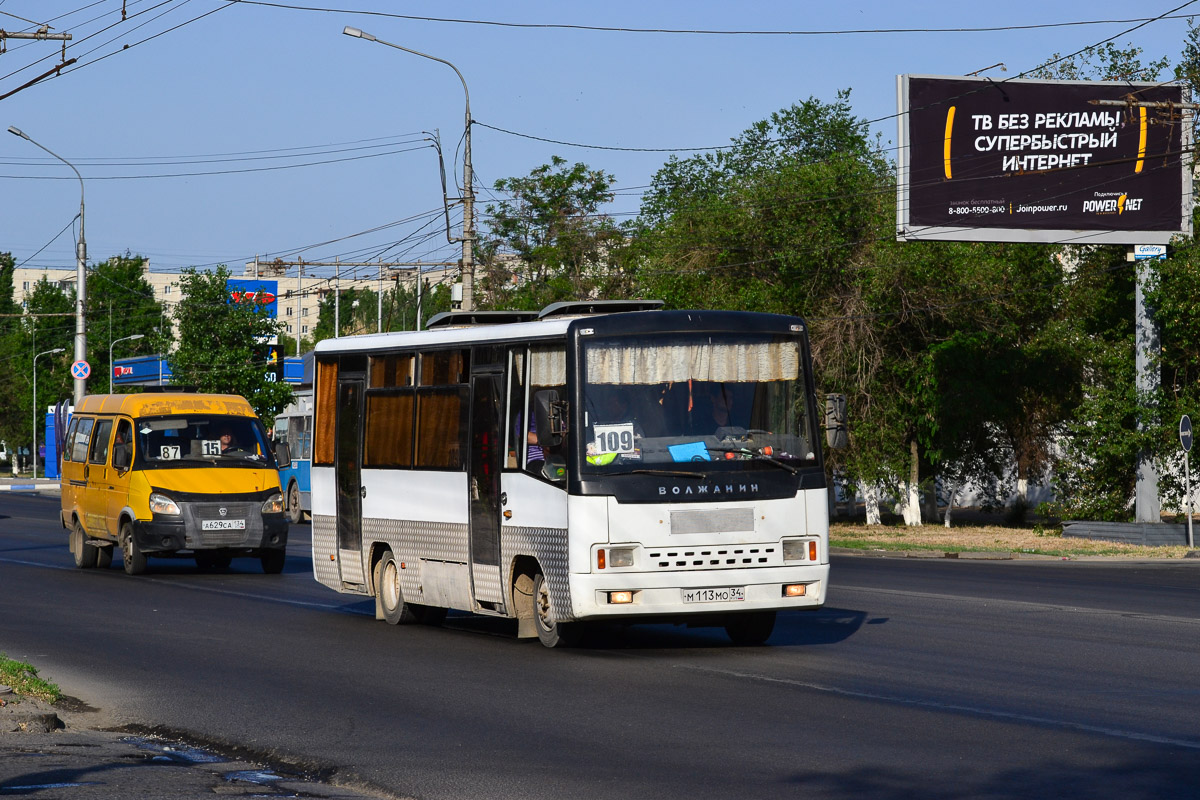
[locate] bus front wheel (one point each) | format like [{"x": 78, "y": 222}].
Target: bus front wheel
[
  {"x": 551, "y": 632},
  {"x": 391, "y": 596},
  {"x": 750, "y": 629},
  {"x": 294, "y": 512}
]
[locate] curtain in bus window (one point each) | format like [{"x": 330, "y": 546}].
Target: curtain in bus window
[
  {"x": 326, "y": 398},
  {"x": 547, "y": 367},
  {"x": 391, "y": 370},
  {"x": 389, "y": 430},
  {"x": 444, "y": 367},
  {"x": 441, "y": 427},
  {"x": 764, "y": 361}
]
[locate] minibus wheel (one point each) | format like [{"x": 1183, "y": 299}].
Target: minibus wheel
[
  {"x": 272, "y": 561},
  {"x": 750, "y": 629},
  {"x": 391, "y": 596},
  {"x": 85, "y": 555},
  {"x": 551, "y": 632},
  {"x": 135, "y": 559}
]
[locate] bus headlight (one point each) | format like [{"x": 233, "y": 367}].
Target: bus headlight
[
  {"x": 161, "y": 504},
  {"x": 799, "y": 550},
  {"x": 621, "y": 557},
  {"x": 273, "y": 504}
]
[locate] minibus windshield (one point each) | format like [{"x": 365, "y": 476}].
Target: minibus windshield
[{"x": 193, "y": 440}]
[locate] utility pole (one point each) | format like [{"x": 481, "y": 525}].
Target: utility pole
[
  {"x": 41, "y": 34},
  {"x": 468, "y": 198}
]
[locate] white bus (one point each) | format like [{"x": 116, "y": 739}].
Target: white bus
[{"x": 588, "y": 463}]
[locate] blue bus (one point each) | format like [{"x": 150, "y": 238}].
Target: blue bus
[{"x": 293, "y": 427}]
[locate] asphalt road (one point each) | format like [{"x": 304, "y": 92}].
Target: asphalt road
[{"x": 935, "y": 679}]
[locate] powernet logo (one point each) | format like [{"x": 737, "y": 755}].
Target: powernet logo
[{"x": 1112, "y": 203}]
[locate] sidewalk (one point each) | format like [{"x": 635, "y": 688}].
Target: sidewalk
[{"x": 47, "y": 752}]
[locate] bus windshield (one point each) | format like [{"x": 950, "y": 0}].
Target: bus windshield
[
  {"x": 197, "y": 439},
  {"x": 703, "y": 402}
]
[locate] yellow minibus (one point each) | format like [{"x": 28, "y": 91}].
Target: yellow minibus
[{"x": 171, "y": 475}]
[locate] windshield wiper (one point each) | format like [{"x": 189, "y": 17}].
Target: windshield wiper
[
  {"x": 669, "y": 472},
  {"x": 741, "y": 451}
]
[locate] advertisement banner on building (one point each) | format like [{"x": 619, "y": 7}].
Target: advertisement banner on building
[
  {"x": 264, "y": 292},
  {"x": 1076, "y": 162}
]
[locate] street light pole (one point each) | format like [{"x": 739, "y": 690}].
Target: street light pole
[
  {"x": 468, "y": 237},
  {"x": 80, "y": 272},
  {"x": 110, "y": 352},
  {"x": 35, "y": 405}
]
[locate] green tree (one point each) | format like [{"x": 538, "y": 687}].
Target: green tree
[
  {"x": 221, "y": 345},
  {"x": 548, "y": 240},
  {"x": 120, "y": 303},
  {"x": 48, "y": 323}
]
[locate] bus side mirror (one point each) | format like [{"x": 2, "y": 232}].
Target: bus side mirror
[
  {"x": 120, "y": 457},
  {"x": 555, "y": 469},
  {"x": 283, "y": 458},
  {"x": 550, "y": 417},
  {"x": 836, "y": 433}
]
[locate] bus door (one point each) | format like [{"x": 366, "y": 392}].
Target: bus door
[
  {"x": 483, "y": 482},
  {"x": 348, "y": 475}
]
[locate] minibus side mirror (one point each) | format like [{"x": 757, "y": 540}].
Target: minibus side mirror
[{"x": 120, "y": 457}]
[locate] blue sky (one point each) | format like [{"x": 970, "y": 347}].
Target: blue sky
[{"x": 255, "y": 86}]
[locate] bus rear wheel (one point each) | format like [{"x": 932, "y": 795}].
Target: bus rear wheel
[
  {"x": 551, "y": 632},
  {"x": 750, "y": 629},
  {"x": 294, "y": 512},
  {"x": 85, "y": 554},
  {"x": 391, "y": 596}
]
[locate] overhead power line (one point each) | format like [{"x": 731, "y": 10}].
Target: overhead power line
[{"x": 696, "y": 31}]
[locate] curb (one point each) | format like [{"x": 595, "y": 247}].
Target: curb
[
  {"x": 30, "y": 487},
  {"x": 973, "y": 555}
]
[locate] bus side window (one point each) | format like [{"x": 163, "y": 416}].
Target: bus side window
[
  {"x": 83, "y": 435},
  {"x": 122, "y": 449},
  {"x": 69, "y": 440},
  {"x": 99, "y": 449}
]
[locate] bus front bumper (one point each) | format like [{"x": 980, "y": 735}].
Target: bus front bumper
[{"x": 615, "y": 595}]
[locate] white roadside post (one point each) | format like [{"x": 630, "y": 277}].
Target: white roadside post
[{"x": 1185, "y": 439}]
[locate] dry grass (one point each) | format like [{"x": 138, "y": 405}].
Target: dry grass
[{"x": 988, "y": 538}]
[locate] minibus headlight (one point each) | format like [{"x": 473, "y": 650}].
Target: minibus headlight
[
  {"x": 161, "y": 504},
  {"x": 273, "y": 504}
]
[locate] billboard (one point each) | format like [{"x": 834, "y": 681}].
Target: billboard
[
  {"x": 1076, "y": 162},
  {"x": 263, "y": 292}
]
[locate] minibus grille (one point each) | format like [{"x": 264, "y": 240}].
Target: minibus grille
[{"x": 197, "y": 513}]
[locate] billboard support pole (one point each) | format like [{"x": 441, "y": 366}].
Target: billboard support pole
[{"x": 1147, "y": 379}]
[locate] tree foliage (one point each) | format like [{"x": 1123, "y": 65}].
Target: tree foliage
[
  {"x": 548, "y": 241},
  {"x": 222, "y": 343}
]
